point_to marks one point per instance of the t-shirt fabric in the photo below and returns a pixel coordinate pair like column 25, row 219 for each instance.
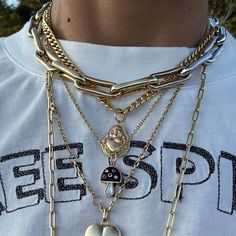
column 208, row 199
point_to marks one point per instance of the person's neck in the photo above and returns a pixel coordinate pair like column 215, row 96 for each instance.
column 159, row 23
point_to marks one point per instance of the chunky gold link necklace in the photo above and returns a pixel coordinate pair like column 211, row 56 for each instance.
column 101, row 88
column 51, row 55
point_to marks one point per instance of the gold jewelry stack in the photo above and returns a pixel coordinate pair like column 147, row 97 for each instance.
column 116, row 143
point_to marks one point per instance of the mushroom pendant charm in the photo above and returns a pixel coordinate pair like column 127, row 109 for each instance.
column 116, row 142
column 111, row 176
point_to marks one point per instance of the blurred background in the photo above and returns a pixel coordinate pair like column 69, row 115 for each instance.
column 14, row 14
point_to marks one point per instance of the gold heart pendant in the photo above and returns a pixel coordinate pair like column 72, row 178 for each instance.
column 102, row 230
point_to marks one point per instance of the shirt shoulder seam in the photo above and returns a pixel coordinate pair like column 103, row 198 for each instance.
column 8, row 55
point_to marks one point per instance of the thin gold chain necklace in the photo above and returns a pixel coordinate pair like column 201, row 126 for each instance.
column 50, row 61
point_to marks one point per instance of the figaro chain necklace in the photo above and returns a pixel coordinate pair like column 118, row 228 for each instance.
column 207, row 55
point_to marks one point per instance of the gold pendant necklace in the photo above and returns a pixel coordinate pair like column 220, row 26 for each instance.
column 114, row 145
column 117, row 141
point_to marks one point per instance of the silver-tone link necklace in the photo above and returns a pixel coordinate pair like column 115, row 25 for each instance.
column 208, row 55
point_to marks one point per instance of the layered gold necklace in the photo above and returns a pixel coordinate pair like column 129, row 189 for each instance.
column 116, row 142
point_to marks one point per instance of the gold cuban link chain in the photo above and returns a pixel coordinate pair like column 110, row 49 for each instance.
column 134, row 105
column 91, row 85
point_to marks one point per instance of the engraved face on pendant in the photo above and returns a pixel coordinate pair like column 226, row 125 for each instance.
column 116, row 142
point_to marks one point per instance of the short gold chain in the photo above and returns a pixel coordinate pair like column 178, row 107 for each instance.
column 53, row 42
column 138, row 102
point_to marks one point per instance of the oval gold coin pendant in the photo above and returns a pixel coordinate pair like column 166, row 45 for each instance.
column 116, row 142
column 102, row 230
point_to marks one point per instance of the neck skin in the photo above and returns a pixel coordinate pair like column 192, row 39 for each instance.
column 157, row 23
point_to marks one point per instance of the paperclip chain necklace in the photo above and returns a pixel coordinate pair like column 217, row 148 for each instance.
column 105, row 210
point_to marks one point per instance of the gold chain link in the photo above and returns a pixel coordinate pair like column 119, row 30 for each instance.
column 53, row 42
column 138, row 102
column 150, row 110
column 55, row 115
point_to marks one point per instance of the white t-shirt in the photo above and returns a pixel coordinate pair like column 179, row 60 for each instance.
column 208, row 205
